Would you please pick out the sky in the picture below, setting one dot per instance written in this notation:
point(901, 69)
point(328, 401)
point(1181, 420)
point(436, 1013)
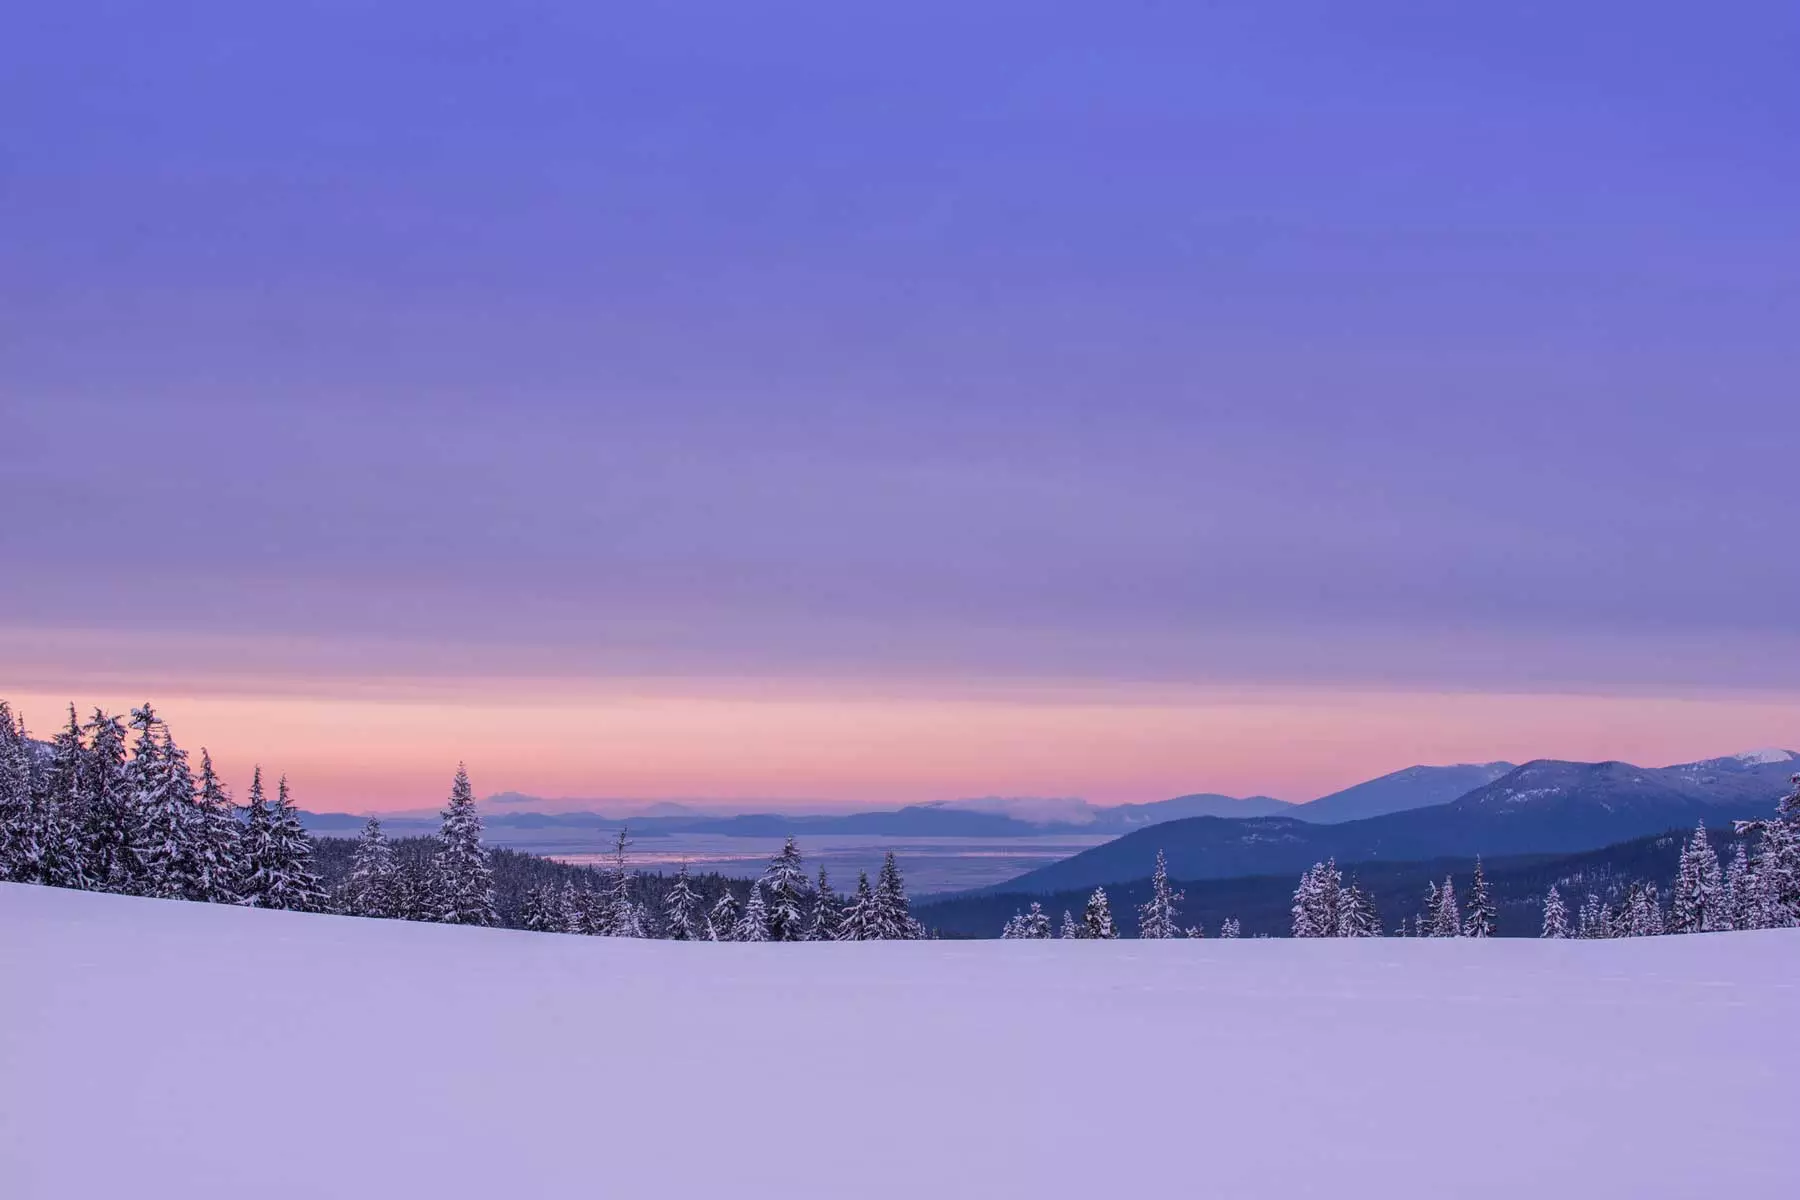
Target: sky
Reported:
point(870, 404)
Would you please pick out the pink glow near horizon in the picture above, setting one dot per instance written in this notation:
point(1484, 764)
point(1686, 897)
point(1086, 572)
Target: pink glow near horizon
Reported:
point(818, 743)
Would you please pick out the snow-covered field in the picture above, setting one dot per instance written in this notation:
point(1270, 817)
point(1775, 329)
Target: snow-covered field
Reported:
point(157, 1049)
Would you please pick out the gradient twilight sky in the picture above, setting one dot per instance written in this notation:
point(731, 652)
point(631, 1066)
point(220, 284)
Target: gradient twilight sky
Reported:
point(897, 402)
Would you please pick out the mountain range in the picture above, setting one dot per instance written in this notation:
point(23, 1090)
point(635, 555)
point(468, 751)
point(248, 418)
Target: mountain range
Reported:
point(1546, 806)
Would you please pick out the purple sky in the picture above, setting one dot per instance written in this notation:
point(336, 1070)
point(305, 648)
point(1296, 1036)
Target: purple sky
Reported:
point(1376, 345)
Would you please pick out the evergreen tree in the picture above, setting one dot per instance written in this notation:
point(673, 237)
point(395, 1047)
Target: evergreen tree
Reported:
point(621, 917)
point(18, 847)
point(1229, 928)
point(1594, 923)
point(1037, 922)
point(1357, 916)
point(1318, 902)
point(1741, 905)
point(722, 921)
point(374, 886)
point(1446, 921)
point(169, 823)
point(1070, 930)
point(1157, 917)
point(464, 880)
point(681, 909)
point(570, 908)
point(106, 800)
point(255, 854)
point(784, 883)
point(826, 912)
point(753, 926)
point(541, 910)
point(218, 847)
point(1699, 888)
point(292, 884)
point(54, 846)
point(1774, 876)
point(1097, 921)
point(1556, 915)
point(1644, 913)
point(893, 914)
point(1480, 921)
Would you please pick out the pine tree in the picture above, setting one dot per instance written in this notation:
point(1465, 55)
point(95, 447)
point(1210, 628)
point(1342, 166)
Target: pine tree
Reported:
point(569, 909)
point(464, 880)
point(1644, 913)
point(541, 909)
point(292, 884)
point(1157, 917)
point(374, 885)
point(1556, 915)
point(722, 921)
point(620, 916)
point(1699, 888)
point(1097, 921)
point(1480, 921)
point(826, 912)
point(18, 848)
point(785, 885)
point(1741, 906)
point(106, 800)
point(1037, 922)
point(1318, 902)
point(1774, 874)
point(1229, 928)
point(169, 848)
point(1446, 921)
point(893, 914)
point(753, 926)
point(1593, 919)
point(1357, 915)
point(218, 841)
point(1069, 932)
point(54, 845)
point(681, 909)
point(254, 858)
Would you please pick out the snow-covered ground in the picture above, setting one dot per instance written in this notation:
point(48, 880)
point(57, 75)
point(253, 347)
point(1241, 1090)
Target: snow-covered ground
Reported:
point(155, 1049)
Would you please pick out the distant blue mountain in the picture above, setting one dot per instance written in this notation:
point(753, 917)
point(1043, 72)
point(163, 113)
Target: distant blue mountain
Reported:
point(1543, 807)
point(1413, 787)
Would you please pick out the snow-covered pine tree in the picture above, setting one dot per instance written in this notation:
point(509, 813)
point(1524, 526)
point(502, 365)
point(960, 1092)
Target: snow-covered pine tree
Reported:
point(1741, 905)
point(569, 909)
point(1305, 907)
point(1036, 923)
point(621, 917)
point(217, 846)
point(1425, 922)
point(373, 888)
point(170, 824)
point(1594, 922)
point(541, 909)
point(255, 853)
point(681, 909)
point(893, 914)
point(1479, 923)
point(1699, 887)
point(1319, 901)
point(1157, 918)
point(1556, 915)
point(55, 845)
point(17, 845)
point(859, 923)
point(722, 921)
point(753, 926)
point(1097, 921)
point(1229, 928)
point(1644, 915)
point(106, 800)
point(1447, 921)
point(827, 912)
point(1069, 932)
point(784, 885)
point(1775, 866)
point(1357, 915)
point(292, 883)
point(460, 870)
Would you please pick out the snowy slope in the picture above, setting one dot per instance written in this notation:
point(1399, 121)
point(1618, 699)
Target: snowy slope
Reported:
point(157, 1049)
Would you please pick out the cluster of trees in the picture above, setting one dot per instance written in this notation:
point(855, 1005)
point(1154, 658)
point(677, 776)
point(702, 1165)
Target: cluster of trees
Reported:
point(105, 811)
point(783, 905)
point(1157, 917)
point(1757, 891)
point(99, 811)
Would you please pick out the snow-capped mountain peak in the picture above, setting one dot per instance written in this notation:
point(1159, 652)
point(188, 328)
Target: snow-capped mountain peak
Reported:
point(1766, 755)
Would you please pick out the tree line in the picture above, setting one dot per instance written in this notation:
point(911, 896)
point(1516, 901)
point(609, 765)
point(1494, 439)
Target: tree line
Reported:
point(99, 810)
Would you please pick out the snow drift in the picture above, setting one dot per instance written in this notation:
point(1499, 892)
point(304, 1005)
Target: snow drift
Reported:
point(160, 1049)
